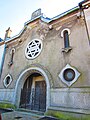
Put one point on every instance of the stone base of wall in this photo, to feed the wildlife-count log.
(67, 114)
(7, 95)
(71, 98)
(75, 100)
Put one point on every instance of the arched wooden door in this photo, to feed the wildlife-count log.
(33, 94)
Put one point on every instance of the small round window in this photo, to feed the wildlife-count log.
(33, 49)
(7, 80)
(69, 74)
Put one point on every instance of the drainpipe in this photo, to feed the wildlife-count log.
(82, 10)
(3, 49)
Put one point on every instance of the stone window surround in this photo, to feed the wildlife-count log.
(66, 49)
(33, 56)
(66, 29)
(4, 81)
(69, 83)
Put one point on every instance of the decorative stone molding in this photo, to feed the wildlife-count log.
(7, 80)
(50, 27)
(43, 30)
(69, 75)
(66, 49)
(36, 13)
(33, 49)
(26, 73)
(66, 29)
(12, 50)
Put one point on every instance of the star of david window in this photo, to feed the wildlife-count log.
(33, 49)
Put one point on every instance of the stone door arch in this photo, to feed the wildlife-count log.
(21, 80)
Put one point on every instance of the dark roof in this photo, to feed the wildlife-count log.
(1, 40)
(82, 2)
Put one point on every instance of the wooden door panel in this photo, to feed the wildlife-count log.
(40, 95)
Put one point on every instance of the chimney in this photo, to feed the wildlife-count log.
(8, 33)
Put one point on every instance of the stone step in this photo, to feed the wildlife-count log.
(31, 111)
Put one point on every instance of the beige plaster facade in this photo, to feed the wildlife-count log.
(52, 59)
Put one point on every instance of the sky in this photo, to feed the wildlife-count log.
(14, 13)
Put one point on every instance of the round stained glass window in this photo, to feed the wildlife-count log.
(33, 49)
(69, 74)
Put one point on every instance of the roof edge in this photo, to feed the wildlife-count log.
(65, 13)
(44, 19)
(16, 36)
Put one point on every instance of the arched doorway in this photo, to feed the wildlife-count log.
(33, 93)
(23, 77)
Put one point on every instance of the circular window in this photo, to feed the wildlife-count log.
(7, 80)
(33, 49)
(69, 74)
